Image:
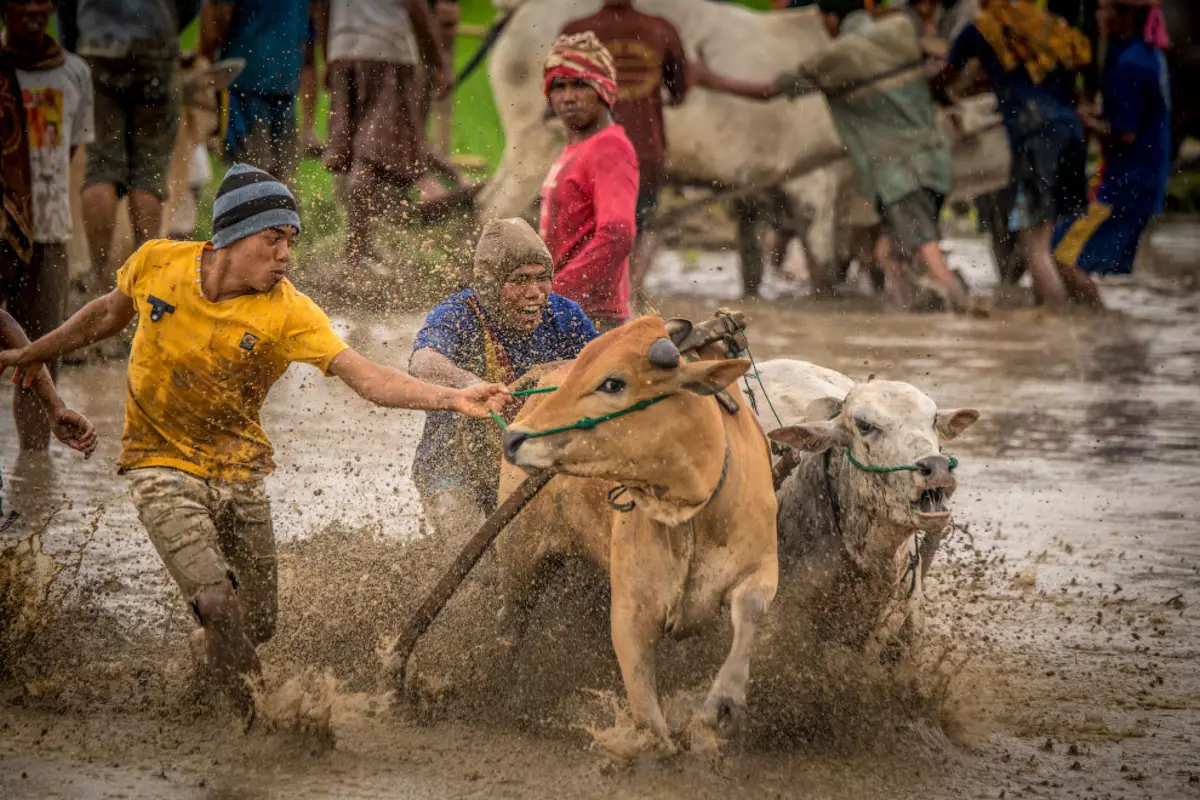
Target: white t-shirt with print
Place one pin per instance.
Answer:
(58, 116)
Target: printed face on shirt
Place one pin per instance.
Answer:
(262, 260)
(576, 103)
(523, 297)
(27, 20)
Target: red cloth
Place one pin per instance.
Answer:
(583, 57)
(649, 57)
(589, 221)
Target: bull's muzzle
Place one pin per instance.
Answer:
(512, 441)
(935, 472)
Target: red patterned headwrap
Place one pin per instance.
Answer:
(581, 56)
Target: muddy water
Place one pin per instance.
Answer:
(1068, 602)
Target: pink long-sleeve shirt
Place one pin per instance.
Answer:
(589, 221)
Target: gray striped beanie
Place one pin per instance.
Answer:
(250, 201)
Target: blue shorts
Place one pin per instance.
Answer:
(1102, 241)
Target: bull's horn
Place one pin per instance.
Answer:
(664, 353)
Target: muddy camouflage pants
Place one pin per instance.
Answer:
(207, 531)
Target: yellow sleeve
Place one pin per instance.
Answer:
(131, 272)
(308, 336)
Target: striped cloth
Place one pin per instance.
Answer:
(248, 201)
(581, 56)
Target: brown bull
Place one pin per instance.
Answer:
(701, 531)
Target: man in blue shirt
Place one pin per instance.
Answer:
(271, 35)
(495, 331)
(1135, 129)
(1031, 59)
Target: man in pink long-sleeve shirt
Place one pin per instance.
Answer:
(589, 198)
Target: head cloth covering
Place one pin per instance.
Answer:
(581, 56)
(506, 245)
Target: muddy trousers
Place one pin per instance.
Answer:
(206, 531)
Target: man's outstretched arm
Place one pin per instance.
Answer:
(103, 317)
(70, 427)
(391, 388)
(431, 366)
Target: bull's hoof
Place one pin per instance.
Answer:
(726, 716)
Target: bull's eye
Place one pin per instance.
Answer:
(864, 428)
(611, 386)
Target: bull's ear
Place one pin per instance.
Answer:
(679, 329)
(812, 437)
(823, 408)
(952, 422)
(710, 377)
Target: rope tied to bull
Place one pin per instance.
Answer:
(584, 423)
(900, 468)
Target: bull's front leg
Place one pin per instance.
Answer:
(725, 706)
(635, 635)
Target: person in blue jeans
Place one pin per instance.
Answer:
(1031, 59)
(1134, 128)
(271, 35)
(506, 323)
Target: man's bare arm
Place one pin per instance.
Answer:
(391, 388)
(12, 337)
(103, 317)
(70, 427)
(216, 17)
(431, 366)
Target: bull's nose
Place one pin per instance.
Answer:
(512, 443)
(936, 470)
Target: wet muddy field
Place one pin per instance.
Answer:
(1063, 613)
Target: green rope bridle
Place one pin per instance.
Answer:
(583, 424)
(901, 468)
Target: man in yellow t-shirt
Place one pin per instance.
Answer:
(218, 324)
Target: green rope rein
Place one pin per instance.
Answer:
(585, 423)
(902, 468)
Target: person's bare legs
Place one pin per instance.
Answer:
(145, 212)
(39, 305)
(897, 282)
(361, 189)
(931, 253)
(1080, 286)
(1048, 287)
(310, 143)
(99, 221)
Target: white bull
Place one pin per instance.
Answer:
(716, 138)
(855, 545)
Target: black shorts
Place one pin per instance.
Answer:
(1050, 178)
(647, 204)
(912, 220)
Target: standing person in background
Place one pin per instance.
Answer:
(1134, 128)
(1031, 60)
(45, 114)
(376, 134)
(132, 47)
(589, 197)
(310, 143)
(651, 70)
(271, 36)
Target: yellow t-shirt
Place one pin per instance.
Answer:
(200, 371)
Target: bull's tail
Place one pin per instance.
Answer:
(489, 41)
